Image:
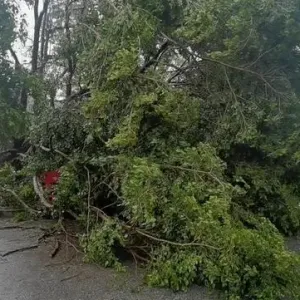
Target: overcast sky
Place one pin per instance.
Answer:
(21, 50)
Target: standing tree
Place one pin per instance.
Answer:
(12, 117)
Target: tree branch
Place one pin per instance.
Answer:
(260, 76)
(39, 191)
(36, 9)
(211, 175)
(142, 232)
(29, 209)
(38, 18)
(198, 59)
(155, 58)
(18, 65)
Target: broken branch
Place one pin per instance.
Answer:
(29, 209)
(19, 250)
(39, 191)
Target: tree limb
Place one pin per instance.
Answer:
(38, 18)
(155, 58)
(29, 209)
(105, 217)
(18, 65)
(142, 232)
(241, 69)
(39, 191)
(36, 9)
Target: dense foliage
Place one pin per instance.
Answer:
(12, 120)
(186, 155)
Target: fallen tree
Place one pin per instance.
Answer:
(186, 155)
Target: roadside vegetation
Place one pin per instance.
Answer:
(175, 126)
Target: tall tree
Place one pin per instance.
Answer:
(12, 117)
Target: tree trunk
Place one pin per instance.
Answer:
(38, 19)
(70, 65)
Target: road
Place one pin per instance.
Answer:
(34, 275)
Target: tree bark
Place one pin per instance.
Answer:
(38, 19)
(43, 45)
(70, 64)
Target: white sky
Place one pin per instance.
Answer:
(22, 50)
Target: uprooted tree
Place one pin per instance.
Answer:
(185, 153)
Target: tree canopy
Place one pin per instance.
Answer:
(11, 118)
(177, 135)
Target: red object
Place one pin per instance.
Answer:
(50, 179)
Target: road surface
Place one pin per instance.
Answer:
(34, 275)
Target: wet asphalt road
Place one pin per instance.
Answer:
(34, 275)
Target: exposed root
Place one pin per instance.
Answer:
(46, 235)
(70, 277)
(138, 257)
(19, 250)
(68, 243)
(56, 248)
(60, 263)
(21, 227)
(10, 227)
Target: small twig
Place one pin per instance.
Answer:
(70, 277)
(20, 227)
(47, 234)
(56, 151)
(73, 246)
(261, 55)
(241, 69)
(89, 201)
(66, 269)
(245, 70)
(10, 227)
(135, 260)
(60, 263)
(44, 148)
(71, 213)
(66, 232)
(195, 171)
(137, 256)
(56, 248)
(99, 212)
(112, 190)
(90, 28)
(19, 250)
(162, 49)
(109, 205)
